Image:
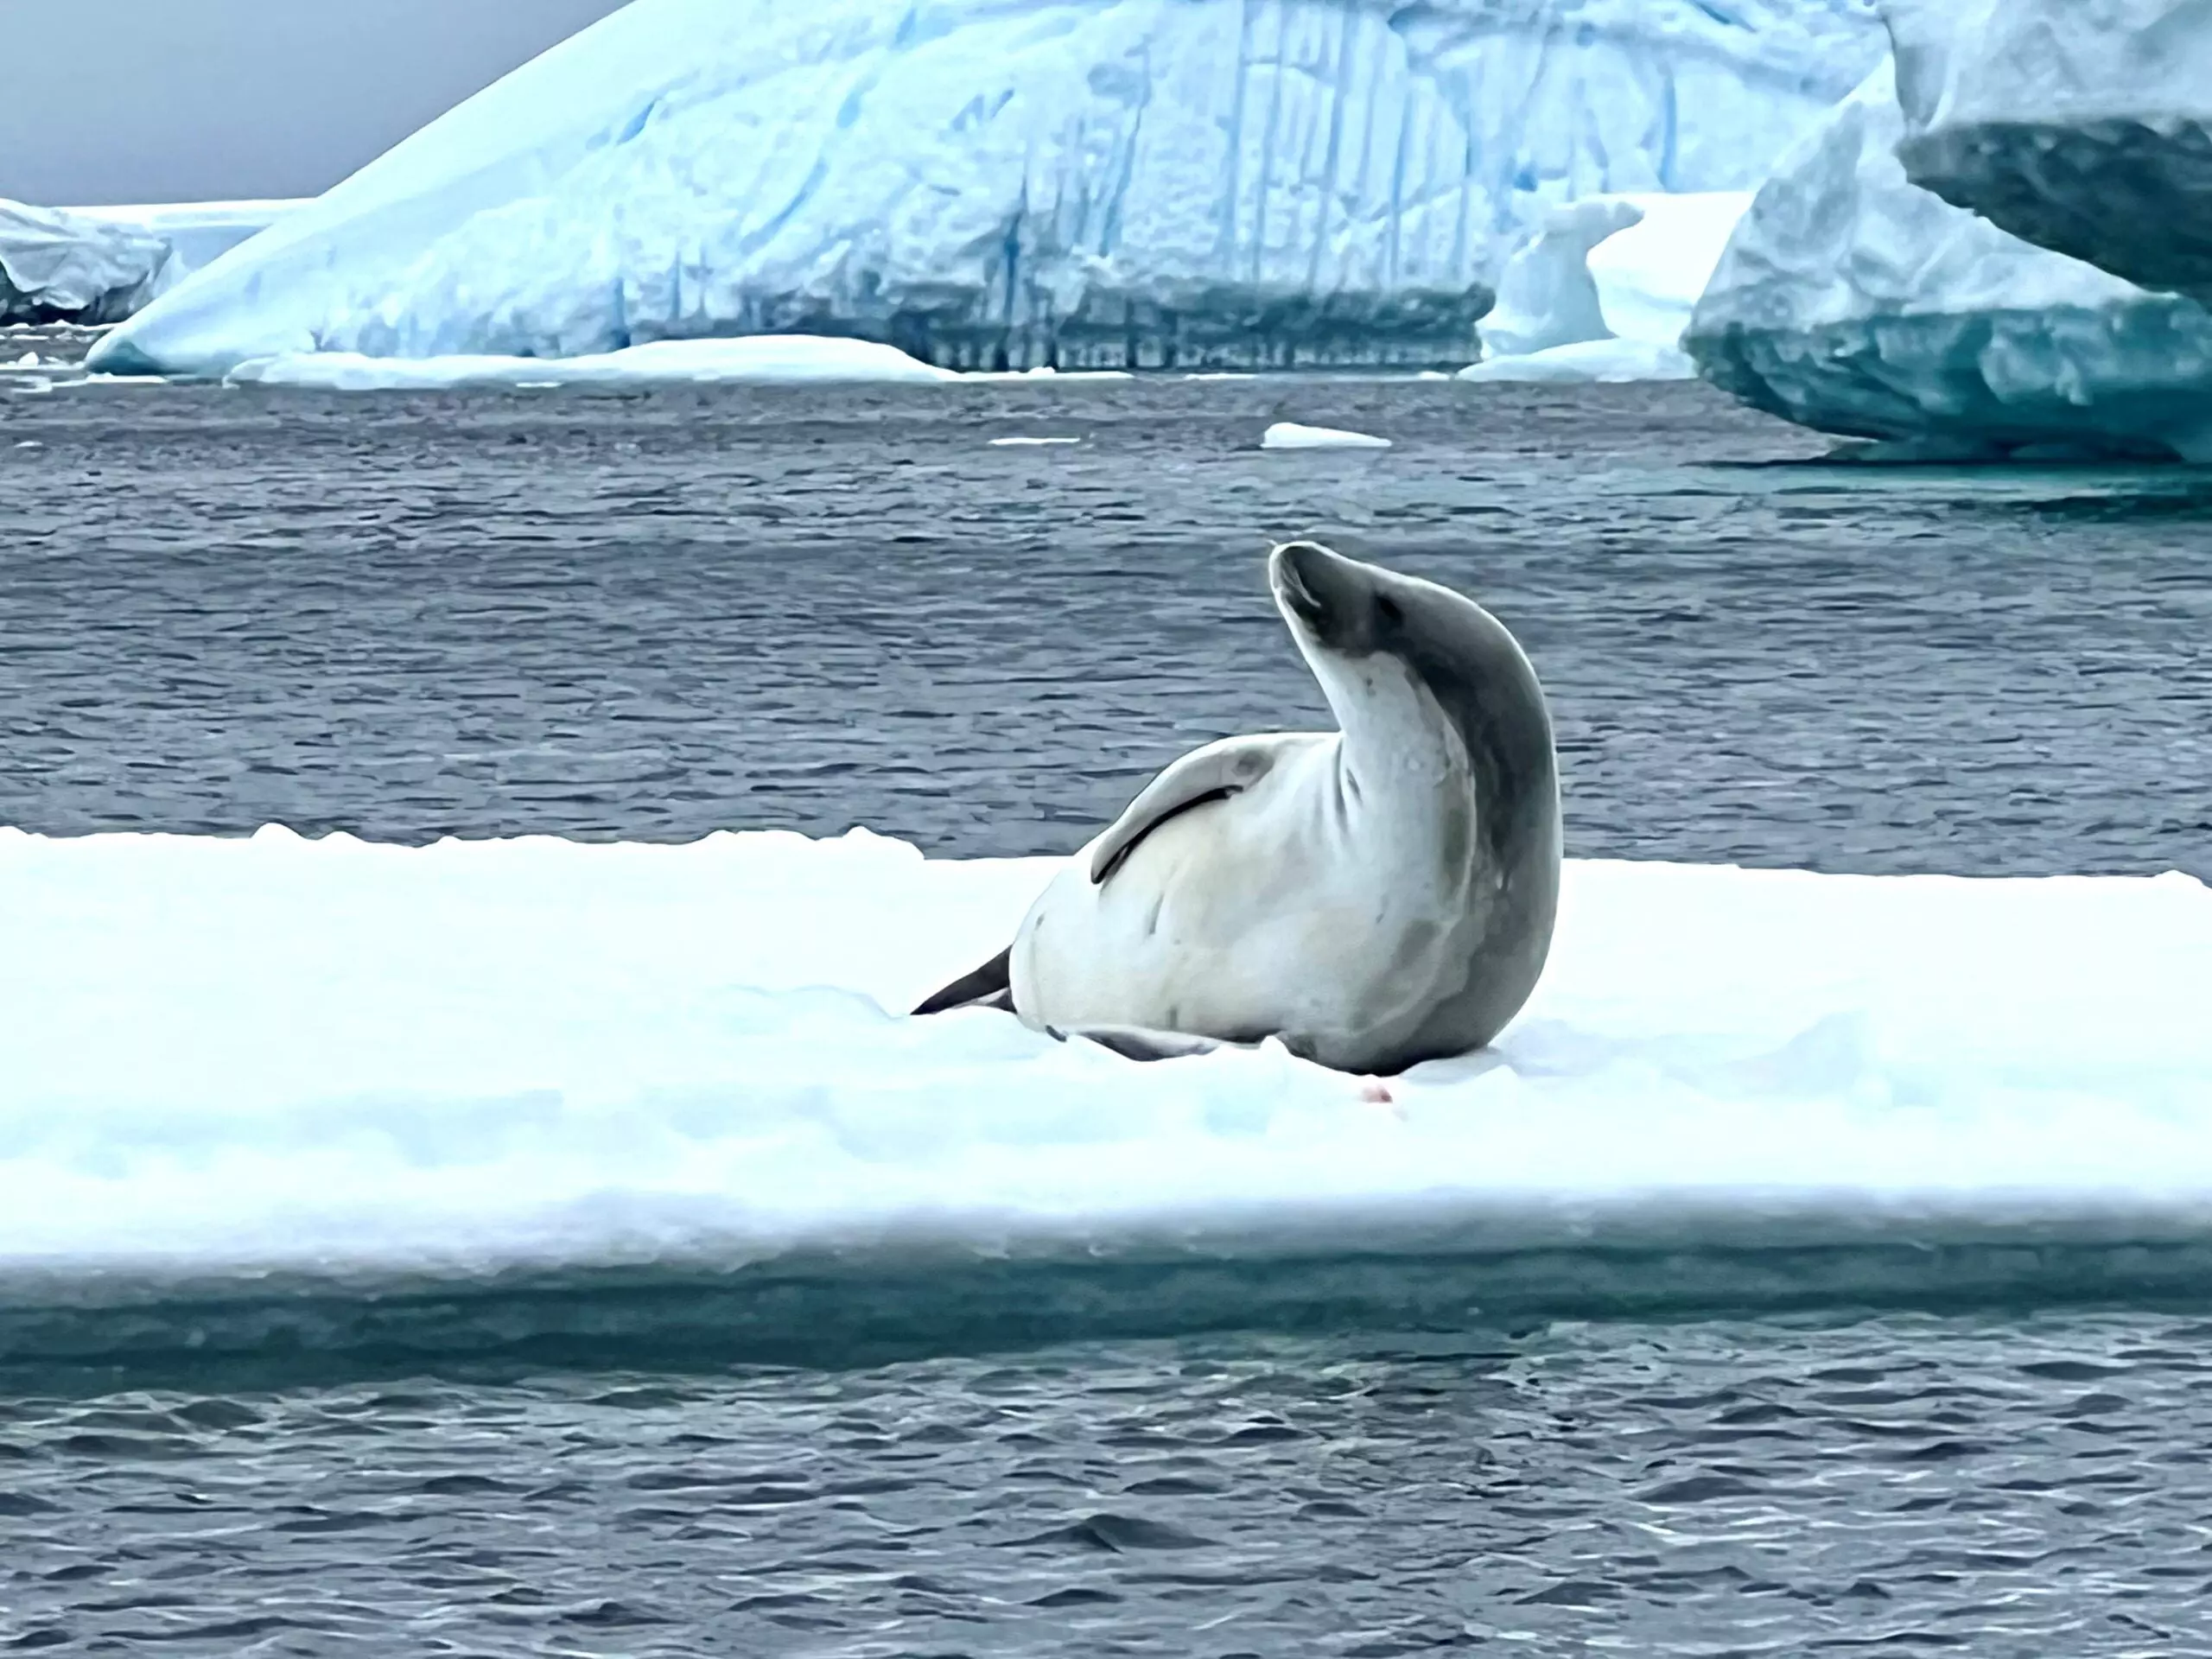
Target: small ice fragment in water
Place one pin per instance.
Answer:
(1289, 434)
(1011, 443)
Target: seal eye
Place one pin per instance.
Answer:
(1388, 611)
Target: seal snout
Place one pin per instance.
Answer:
(1300, 574)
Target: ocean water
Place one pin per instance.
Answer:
(650, 615)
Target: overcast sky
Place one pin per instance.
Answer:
(195, 100)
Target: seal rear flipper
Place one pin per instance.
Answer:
(990, 986)
(1141, 1042)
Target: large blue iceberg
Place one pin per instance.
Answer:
(1852, 301)
(1015, 183)
(2081, 125)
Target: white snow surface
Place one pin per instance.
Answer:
(1605, 290)
(1586, 362)
(59, 266)
(281, 1054)
(1289, 434)
(2083, 125)
(1851, 300)
(1089, 182)
(759, 359)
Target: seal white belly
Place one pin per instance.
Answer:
(1373, 897)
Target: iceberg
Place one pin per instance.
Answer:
(61, 267)
(98, 265)
(197, 233)
(2084, 126)
(1852, 301)
(1547, 295)
(258, 1065)
(1605, 290)
(991, 184)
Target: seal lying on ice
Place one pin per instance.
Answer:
(1374, 897)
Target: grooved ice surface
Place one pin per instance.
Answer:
(985, 183)
(2083, 125)
(1852, 301)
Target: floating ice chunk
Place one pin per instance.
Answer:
(1605, 293)
(757, 359)
(2084, 126)
(1547, 296)
(1289, 434)
(1852, 301)
(1610, 361)
(1031, 443)
(1093, 183)
(481, 1053)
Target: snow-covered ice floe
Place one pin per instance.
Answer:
(1126, 183)
(1852, 301)
(267, 1085)
(1606, 289)
(1289, 434)
(2081, 125)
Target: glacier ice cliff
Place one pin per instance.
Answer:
(1011, 183)
(60, 267)
(2083, 125)
(1852, 301)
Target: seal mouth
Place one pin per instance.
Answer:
(1293, 589)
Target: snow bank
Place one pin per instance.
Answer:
(1852, 301)
(1133, 183)
(1605, 292)
(274, 1055)
(2084, 126)
(1289, 434)
(59, 267)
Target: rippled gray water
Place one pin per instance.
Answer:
(655, 615)
(2015, 1489)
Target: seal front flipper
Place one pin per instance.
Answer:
(1141, 1042)
(1212, 773)
(990, 986)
